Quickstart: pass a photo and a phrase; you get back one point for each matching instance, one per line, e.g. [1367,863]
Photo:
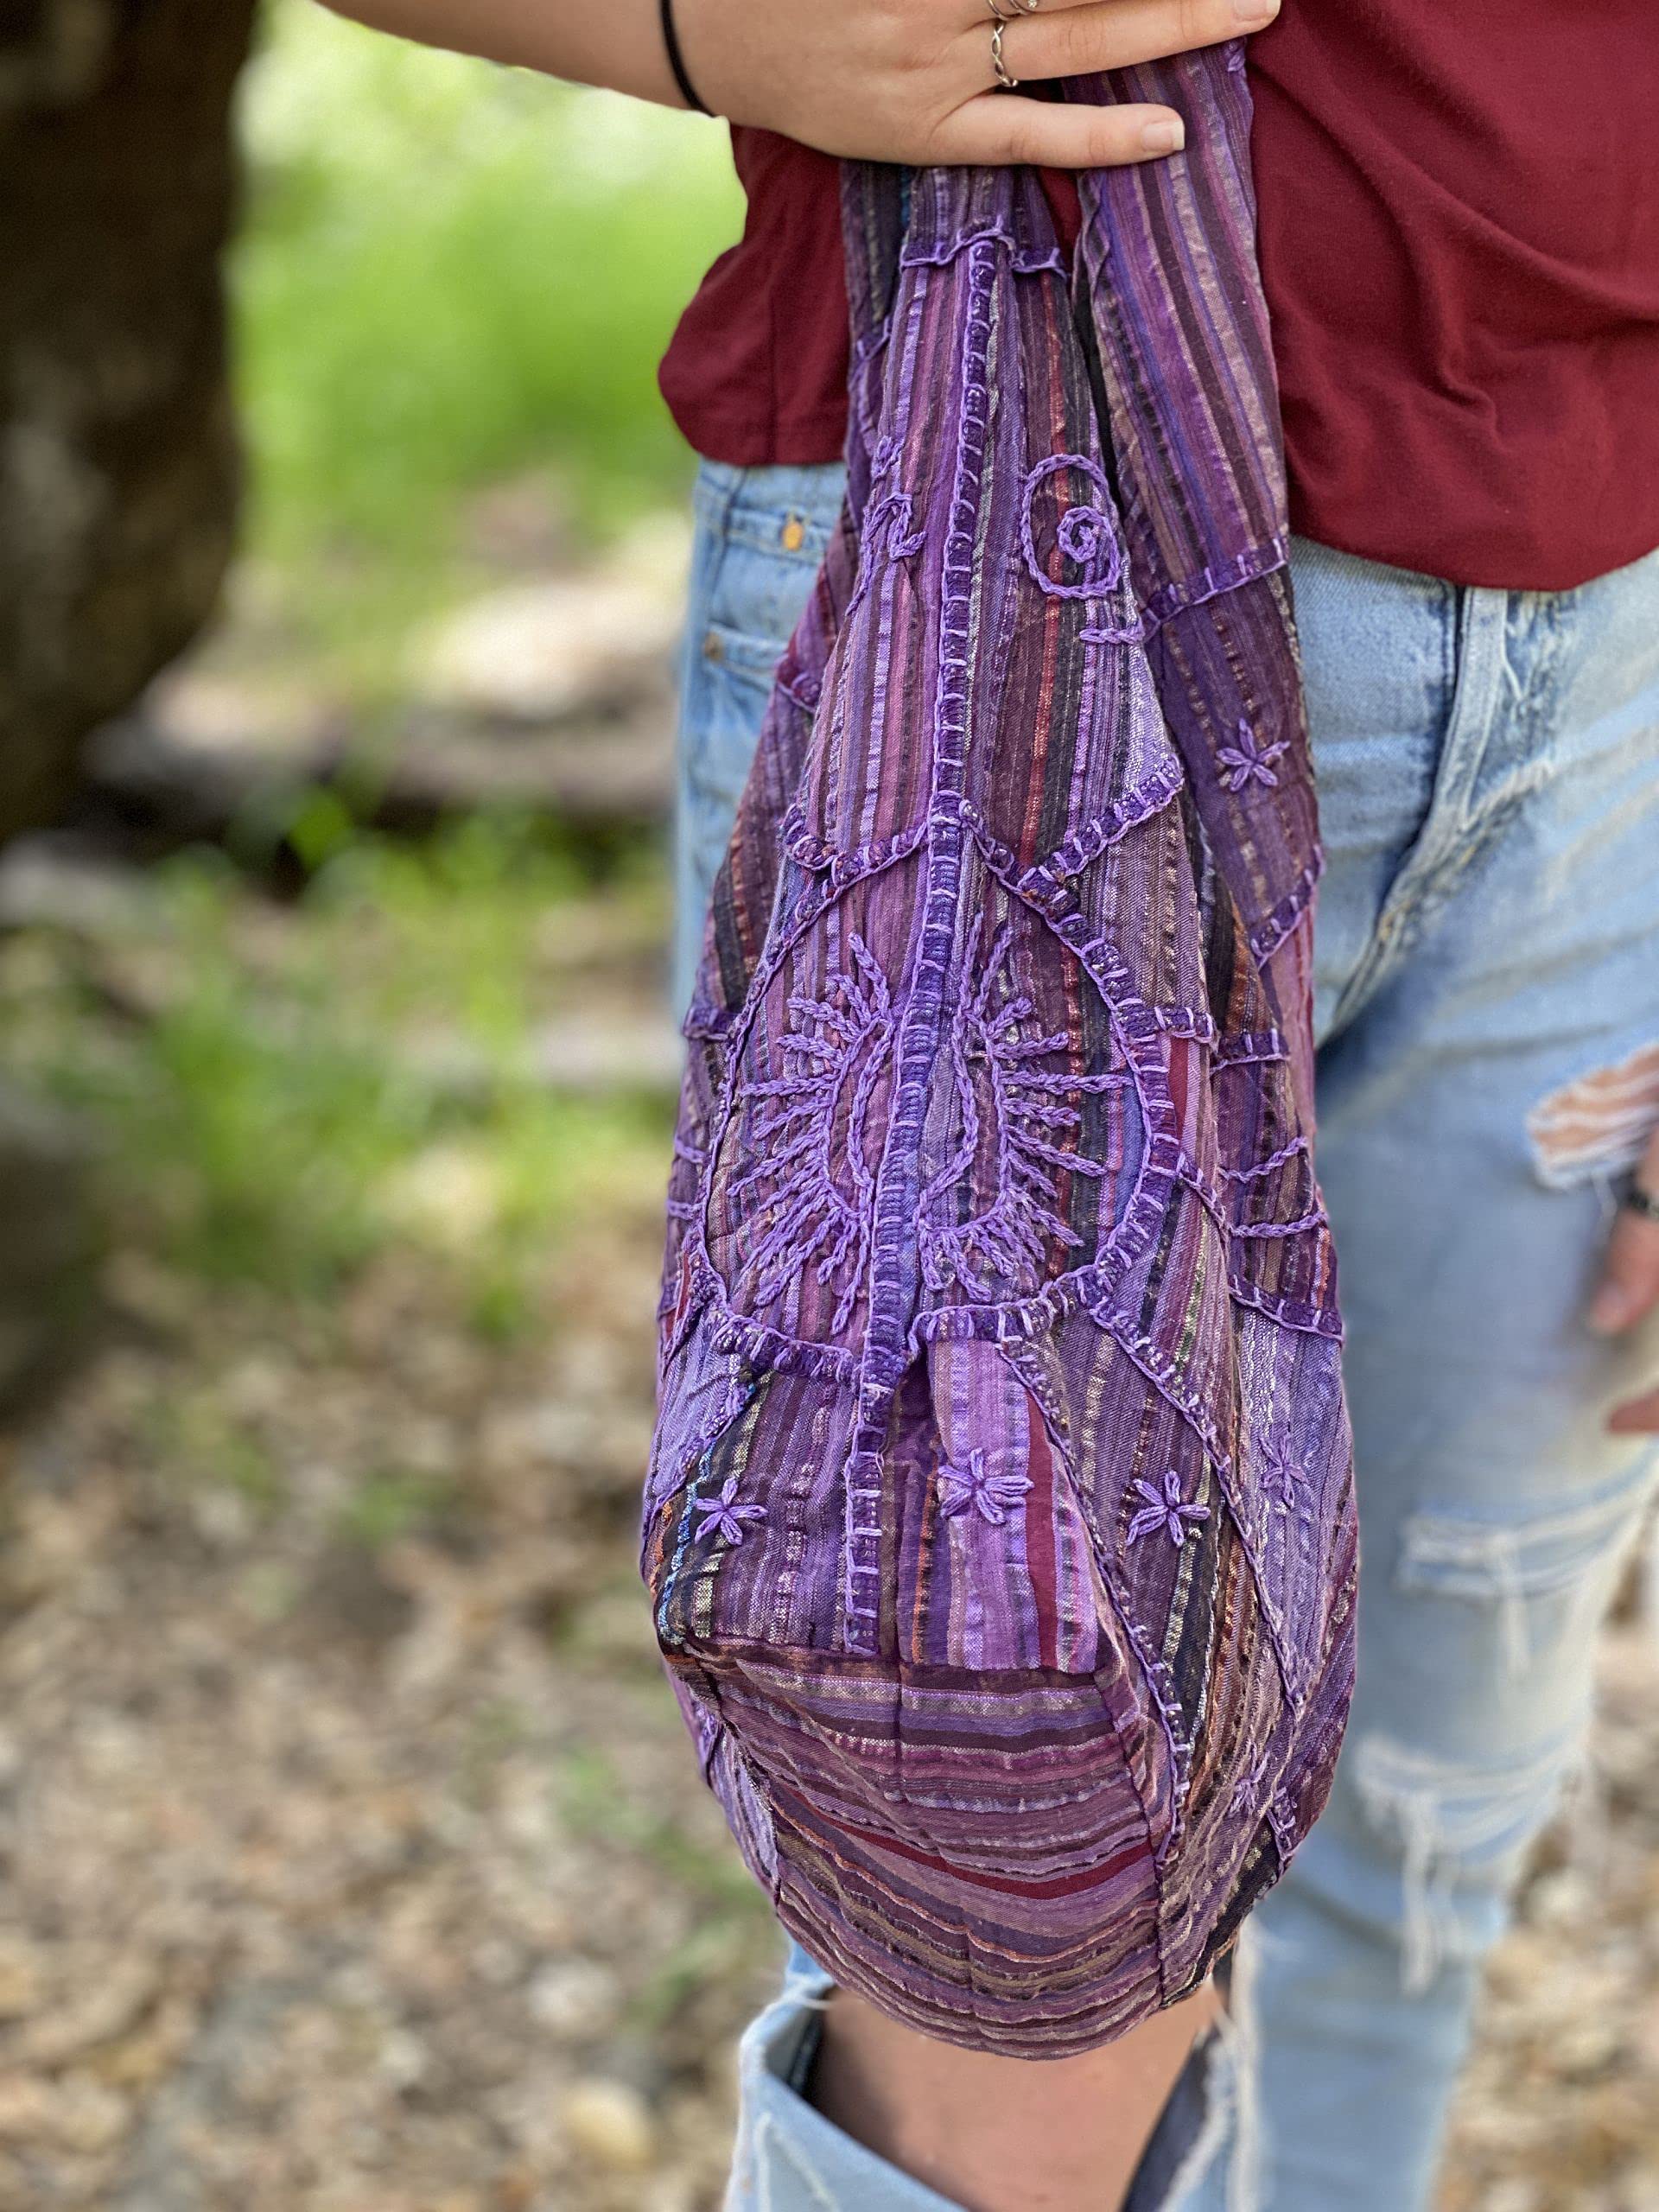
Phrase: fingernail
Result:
[1256,11]
[1610,1310]
[1163,137]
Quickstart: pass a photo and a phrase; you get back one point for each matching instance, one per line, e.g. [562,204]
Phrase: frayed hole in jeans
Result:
[1454,1824]
[1216,2106]
[1599,1125]
[1547,1569]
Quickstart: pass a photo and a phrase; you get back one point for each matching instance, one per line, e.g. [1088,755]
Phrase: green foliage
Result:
[308,1089]
[395,1503]
[451,274]
[195,1436]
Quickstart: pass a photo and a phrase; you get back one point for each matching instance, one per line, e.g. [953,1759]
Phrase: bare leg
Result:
[1002,2134]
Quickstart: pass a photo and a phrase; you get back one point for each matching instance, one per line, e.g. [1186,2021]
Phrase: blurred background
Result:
[353,1856]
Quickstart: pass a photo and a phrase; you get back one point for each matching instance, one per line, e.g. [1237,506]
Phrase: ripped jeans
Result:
[1487,937]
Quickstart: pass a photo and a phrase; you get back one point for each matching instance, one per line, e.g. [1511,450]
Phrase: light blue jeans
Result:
[1487,940]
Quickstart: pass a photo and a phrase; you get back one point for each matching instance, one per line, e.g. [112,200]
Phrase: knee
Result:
[1473,1722]
[1530,1588]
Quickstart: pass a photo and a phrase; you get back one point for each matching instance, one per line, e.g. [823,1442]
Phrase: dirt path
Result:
[355,1861]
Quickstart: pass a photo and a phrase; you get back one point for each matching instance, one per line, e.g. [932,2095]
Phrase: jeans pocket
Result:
[727,688]
[761,535]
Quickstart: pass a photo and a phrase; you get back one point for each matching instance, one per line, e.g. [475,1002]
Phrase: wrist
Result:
[618,45]
[688,93]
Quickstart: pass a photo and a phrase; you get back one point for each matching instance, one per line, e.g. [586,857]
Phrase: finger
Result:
[1117,34]
[997,128]
[1629,1288]
[980,11]
[1636,1416]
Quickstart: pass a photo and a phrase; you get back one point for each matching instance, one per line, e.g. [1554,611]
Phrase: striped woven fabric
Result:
[999,1519]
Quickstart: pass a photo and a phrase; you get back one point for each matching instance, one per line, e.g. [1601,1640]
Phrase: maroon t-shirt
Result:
[1459,242]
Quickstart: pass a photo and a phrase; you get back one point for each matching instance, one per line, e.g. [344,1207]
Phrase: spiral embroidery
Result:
[1085,538]
[888,535]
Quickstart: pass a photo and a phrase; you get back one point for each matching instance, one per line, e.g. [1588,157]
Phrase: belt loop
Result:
[717,487]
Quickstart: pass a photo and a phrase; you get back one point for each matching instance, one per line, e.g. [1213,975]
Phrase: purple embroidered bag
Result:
[999,1521]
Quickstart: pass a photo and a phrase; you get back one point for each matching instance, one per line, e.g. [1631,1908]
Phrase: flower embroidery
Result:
[1281,1471]
[725,1518]
[992,1496]
[1165,1509]
[1247,1790]
[1249,762]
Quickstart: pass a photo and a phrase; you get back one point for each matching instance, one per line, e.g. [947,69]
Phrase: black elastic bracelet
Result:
[689,91]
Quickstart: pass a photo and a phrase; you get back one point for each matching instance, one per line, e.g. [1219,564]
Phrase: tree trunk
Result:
[118,470]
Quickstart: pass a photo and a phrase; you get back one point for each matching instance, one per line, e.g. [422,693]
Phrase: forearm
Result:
[617,44]
[867,78]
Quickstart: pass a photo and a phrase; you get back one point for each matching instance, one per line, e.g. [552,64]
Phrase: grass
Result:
[305,1089]
[450,274]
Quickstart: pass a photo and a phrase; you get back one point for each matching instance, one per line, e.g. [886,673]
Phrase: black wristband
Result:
[689,91]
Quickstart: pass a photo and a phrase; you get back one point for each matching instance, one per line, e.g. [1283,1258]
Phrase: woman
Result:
[1459,238]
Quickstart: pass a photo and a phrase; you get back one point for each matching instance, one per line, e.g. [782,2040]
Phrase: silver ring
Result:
[1005,83]
[1642,1202]
[1007,11]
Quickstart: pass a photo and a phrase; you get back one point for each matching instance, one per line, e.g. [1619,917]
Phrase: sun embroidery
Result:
[815,1138]
[1013,1118]
[1249,762]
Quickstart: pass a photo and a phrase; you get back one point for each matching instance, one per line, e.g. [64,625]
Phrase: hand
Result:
[912,81]
[1629,1292]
